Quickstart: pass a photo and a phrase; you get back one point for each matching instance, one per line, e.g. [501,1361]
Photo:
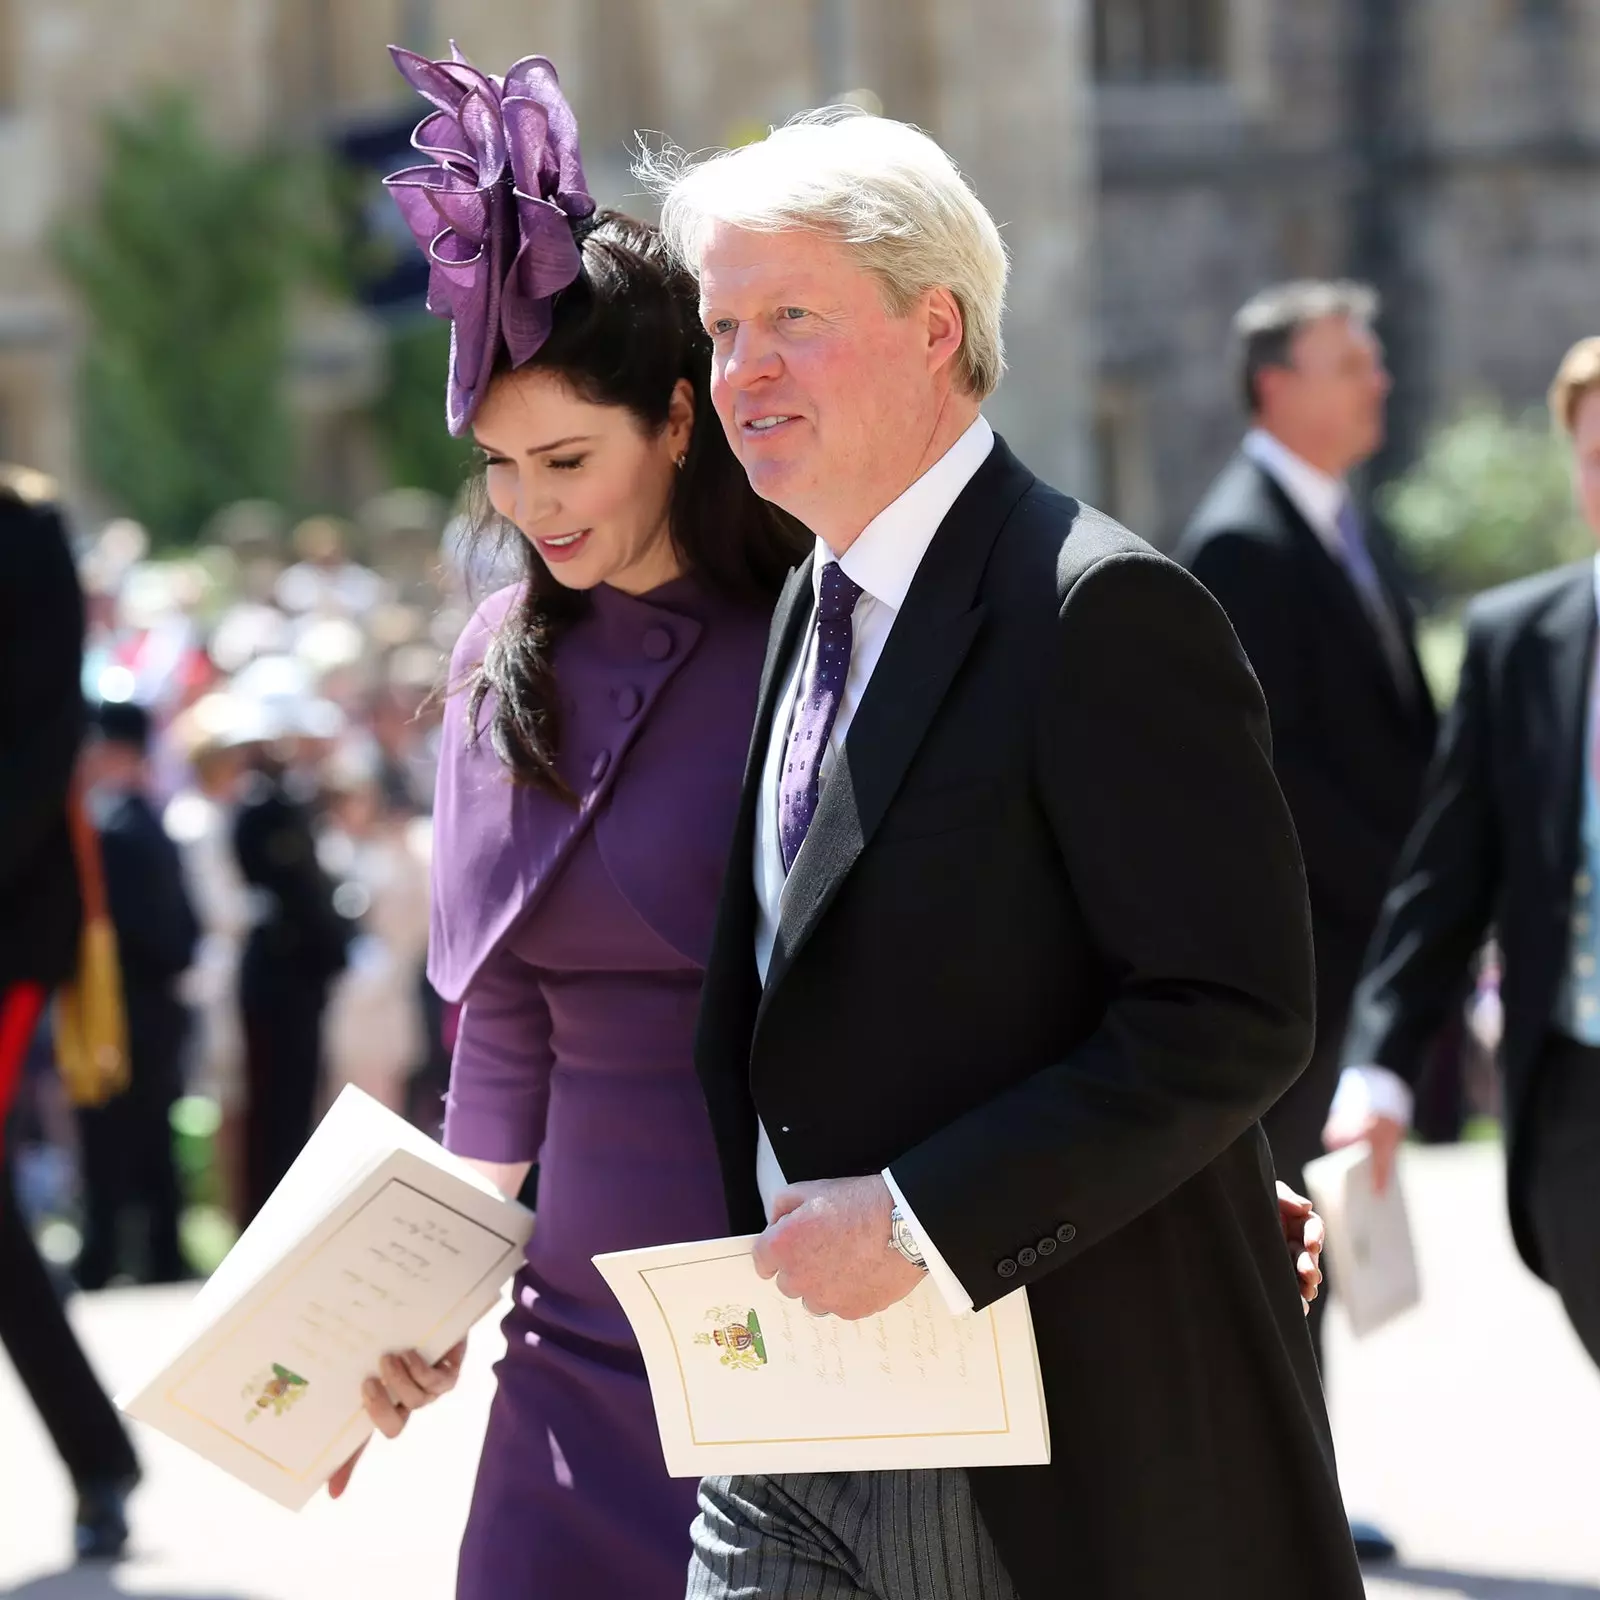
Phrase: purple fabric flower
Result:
[494,212]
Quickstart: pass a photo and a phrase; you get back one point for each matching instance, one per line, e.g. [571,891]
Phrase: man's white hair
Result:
[881,187]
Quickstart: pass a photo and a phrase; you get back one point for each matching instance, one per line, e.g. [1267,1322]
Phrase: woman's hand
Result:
[1303,1233]
[405,1383]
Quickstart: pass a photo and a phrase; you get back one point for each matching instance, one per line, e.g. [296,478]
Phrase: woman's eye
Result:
[566,463]
[486,460]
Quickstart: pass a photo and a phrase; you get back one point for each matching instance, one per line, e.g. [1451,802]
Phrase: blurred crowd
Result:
[274,697]
[273,700]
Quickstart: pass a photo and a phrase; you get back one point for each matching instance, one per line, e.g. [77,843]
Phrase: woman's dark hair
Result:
[624,333]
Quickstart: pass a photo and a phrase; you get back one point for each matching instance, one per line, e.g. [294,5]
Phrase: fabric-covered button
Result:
[1047,1246]
[1066,1233]
[628,702]
[602,765]
[1027,1256]
[658,644]
[1006,1268]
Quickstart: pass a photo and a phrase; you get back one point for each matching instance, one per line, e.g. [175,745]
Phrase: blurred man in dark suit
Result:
[294,951]
[1313,595]
[1510,835]
[128,1161]
[41,722]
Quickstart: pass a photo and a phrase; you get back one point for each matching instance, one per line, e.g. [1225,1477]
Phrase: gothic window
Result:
[1160,41]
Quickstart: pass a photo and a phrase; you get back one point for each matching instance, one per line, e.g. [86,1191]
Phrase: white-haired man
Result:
[1015,949]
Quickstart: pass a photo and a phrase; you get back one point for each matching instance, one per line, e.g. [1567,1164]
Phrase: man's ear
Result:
[1269,385]
[946,328]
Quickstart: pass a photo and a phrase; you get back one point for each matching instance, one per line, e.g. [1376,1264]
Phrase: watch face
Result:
[907,1240]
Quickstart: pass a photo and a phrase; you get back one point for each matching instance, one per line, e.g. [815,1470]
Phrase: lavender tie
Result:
[1358,559]
[1363,574]
[814,716]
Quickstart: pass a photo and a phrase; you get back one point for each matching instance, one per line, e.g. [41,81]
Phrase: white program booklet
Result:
[1369,1237]
[376,1240]
[746,1381]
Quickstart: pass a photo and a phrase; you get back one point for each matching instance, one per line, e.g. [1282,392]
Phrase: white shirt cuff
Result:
[948,1284]
[1371,1091]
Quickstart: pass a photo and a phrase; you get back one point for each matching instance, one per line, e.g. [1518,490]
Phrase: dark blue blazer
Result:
[157,932]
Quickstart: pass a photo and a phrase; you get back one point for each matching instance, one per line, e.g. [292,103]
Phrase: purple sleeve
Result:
[500,1073]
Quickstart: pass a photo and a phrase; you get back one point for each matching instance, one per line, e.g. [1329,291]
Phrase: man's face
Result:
[1328,403]
[1586,458]
[827,398]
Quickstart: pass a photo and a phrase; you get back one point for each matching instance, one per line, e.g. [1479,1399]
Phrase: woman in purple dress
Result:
[595,737]
[595,732]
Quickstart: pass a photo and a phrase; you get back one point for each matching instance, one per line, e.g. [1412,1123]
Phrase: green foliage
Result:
[1489,500]
[186,263]
[1442,646]
[419,451]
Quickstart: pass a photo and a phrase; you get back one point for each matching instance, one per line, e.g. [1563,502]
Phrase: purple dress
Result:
[577,937]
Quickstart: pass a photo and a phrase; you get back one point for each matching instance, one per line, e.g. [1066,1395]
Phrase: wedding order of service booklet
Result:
[377,1240]
[1369,1237]
[746,1381]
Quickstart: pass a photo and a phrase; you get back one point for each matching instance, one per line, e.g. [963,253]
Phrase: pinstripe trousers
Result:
[844,1536]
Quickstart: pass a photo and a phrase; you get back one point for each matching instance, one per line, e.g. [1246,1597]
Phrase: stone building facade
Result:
[1007,92]
[1152,163]
[1446,150]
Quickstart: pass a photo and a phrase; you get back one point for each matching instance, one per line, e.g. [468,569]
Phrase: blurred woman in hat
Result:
[379,853]
[215,736]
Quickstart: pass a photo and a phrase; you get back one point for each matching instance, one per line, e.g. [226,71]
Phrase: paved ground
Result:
[1473,1427]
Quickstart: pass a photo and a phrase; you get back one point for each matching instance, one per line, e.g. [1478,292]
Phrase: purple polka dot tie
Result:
[814,716]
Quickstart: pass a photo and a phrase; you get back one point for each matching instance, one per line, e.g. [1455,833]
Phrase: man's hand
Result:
[828,1247]
[1302,1232]
[1384,1134]
[406,1384]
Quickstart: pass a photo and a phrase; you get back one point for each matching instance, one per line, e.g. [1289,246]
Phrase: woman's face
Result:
[588,485]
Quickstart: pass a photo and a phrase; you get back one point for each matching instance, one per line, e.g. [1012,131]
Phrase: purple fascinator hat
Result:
[494,211]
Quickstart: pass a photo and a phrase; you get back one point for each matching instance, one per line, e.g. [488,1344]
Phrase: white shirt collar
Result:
[1317,497]
[885,557]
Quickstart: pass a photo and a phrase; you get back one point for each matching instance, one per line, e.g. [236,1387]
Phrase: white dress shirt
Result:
[1364,1090]
[1320,499]
[1317,497]
[883,561]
